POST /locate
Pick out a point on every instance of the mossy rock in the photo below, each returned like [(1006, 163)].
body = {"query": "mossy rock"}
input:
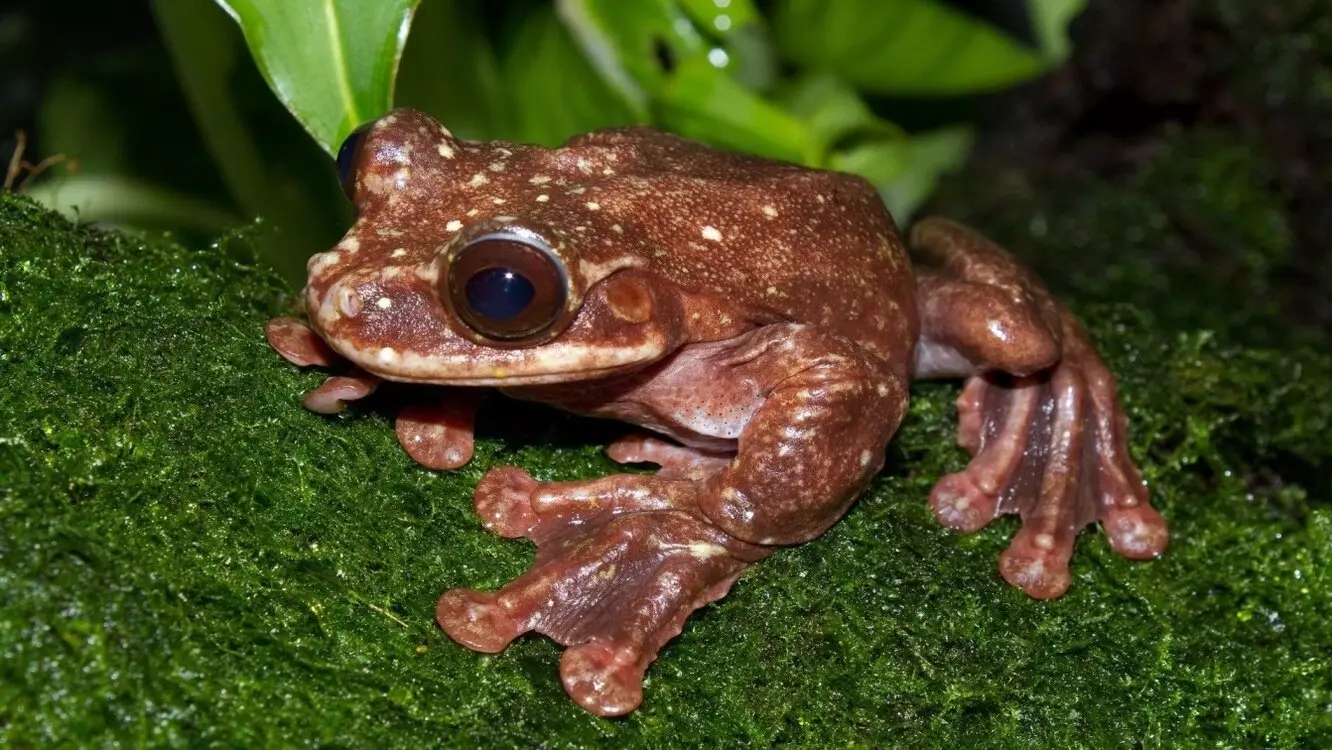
[(188, 557)]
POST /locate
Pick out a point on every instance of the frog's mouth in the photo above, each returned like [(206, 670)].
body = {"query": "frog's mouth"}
[(557, 362)]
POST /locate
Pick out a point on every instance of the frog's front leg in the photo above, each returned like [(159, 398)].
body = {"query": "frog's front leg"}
[(623, 560), (1039, 413)]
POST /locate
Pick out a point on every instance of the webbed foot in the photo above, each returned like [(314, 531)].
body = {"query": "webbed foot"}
[(1052, 448), (621, 563)]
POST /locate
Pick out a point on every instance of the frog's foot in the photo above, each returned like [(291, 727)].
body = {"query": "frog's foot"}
[(676, 461), (302, 347), (439, 435), (1052, 448), (620, 566)]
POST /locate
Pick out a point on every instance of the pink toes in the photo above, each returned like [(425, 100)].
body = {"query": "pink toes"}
[(333, 395), (298, 344), (1037, 563), (476, 620), (503, 499), (1138, 533), (438, 436), (602, 678), (960, 505)]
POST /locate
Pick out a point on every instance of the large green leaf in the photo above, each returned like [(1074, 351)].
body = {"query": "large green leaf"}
[(265, 179), (450, 70), (553, 91), (331, 62), (690, 68), (917, 47), (851, 138)]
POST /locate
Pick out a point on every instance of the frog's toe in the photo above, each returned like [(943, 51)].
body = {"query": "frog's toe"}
[(1037, 563), (332, 396), (439, 435), (604, 678), (503, 499), (1138, 533), (476, 619), (298, 344)]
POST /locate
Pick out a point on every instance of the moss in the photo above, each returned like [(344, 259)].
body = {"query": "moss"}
[(188, 557)]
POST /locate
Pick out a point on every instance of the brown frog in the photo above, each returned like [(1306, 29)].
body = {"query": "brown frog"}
[(760, 319)]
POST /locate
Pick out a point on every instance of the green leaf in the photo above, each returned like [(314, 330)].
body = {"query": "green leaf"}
[(331, 62), (1051, 19), (923, 159), (850, 138), (833, 112), (684, 68), (704, 103), (917, 47), (205, 52), (555, 91), (450, 70)]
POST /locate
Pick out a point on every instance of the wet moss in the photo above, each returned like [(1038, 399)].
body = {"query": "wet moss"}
[(189, 557)]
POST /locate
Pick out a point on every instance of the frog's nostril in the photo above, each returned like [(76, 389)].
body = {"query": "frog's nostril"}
[(349, 302)]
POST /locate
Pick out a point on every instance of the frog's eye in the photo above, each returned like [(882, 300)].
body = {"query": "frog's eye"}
[(507, 287), (347, 154)]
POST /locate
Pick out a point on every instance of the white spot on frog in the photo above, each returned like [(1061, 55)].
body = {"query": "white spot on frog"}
[(542, 198), (384, 303), (453, 225), (387, 355), (398, 253), (712, 233), (446, 151), (770, 212), (593, 206), (478, 180), (539, 179)]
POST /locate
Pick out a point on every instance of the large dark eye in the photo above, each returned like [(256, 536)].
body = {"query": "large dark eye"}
[(347, 153), (507, 287)]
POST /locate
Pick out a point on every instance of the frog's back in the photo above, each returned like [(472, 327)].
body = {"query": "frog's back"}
[(780, 241)]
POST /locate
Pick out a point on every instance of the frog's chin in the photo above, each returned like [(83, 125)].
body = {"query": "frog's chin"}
[(555, 362)]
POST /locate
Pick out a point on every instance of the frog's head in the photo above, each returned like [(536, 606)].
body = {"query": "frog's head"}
[(483, 264)]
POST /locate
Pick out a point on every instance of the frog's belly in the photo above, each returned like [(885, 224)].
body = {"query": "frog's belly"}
[(700, 396)]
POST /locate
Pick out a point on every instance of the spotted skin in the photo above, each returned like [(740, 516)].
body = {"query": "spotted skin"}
[(761, 320)]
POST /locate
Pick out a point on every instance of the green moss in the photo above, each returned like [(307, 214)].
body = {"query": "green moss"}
[(190, 557)]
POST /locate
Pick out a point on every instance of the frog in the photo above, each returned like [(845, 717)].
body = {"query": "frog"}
[(758, 324)]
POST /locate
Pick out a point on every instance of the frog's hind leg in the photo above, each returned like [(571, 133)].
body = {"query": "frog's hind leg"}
[(1039, 413)]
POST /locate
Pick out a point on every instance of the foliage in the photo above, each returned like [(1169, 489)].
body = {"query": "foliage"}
[(789, 79)]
